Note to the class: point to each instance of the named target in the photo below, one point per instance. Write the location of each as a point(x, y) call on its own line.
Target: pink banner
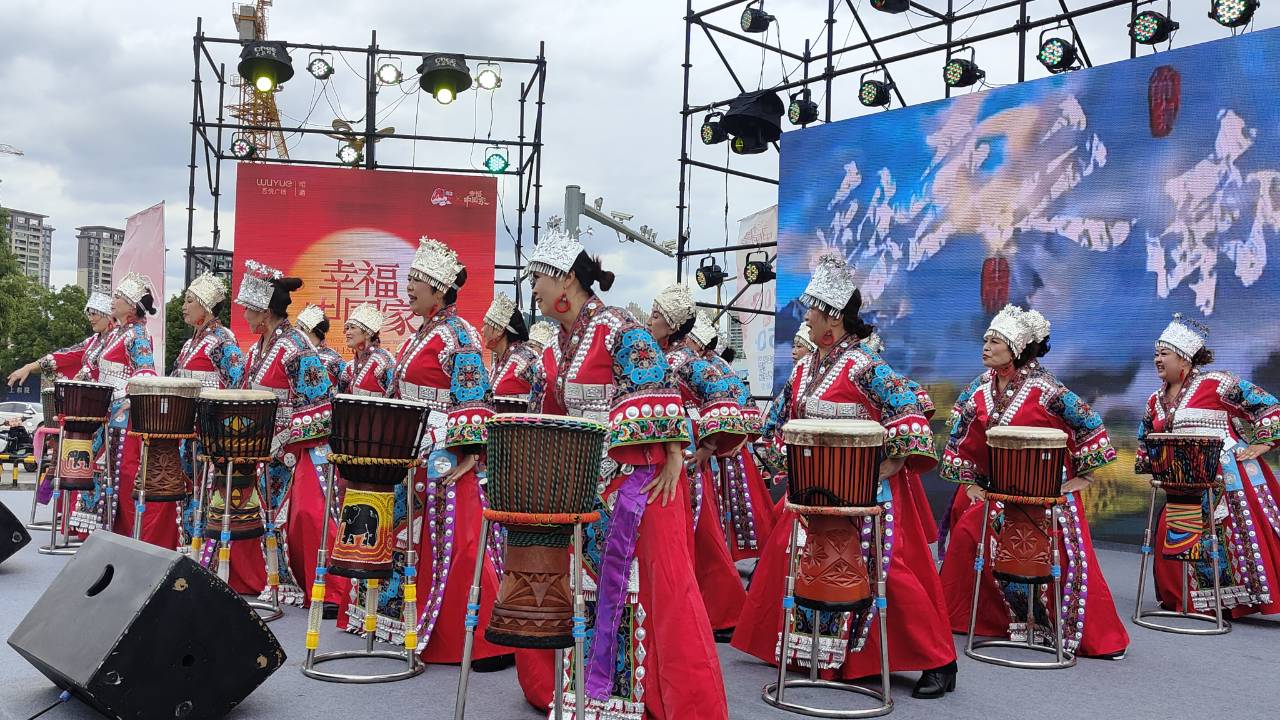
point(143, 253)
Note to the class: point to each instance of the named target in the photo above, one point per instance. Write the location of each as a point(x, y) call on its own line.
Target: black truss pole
point(857, 17)
point(682, 207)
point(191, 166)
point(216, 189)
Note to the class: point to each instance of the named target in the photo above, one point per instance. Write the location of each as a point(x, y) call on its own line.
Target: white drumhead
point(372, 400)
point(156, 385)
point(1018, 437)
point(833, 433)
point(236, 395)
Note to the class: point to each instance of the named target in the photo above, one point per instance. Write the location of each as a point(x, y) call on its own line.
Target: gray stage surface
point(1164, 676)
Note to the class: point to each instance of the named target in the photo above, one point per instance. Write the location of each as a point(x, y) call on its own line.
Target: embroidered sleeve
point(470, 394)
point(770, 447)
point(227, 357)
point(67, 361)
point(1259, 409)
point(720, 417)
point(964, 459)
point(310, 391)
point(1087, 439)
point(386, 369)
point(646, 404)
point(909, 436)
point(346, 376)
point(141, 355)
point(1142, 461)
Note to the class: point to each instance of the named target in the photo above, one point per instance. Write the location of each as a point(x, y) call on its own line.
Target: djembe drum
point(372, 442)
point(162, 411)
point(539, 465)
point(833, 463)
point(1185, 465)
point(1026, 462)
point(235, 428)
point(83, 408)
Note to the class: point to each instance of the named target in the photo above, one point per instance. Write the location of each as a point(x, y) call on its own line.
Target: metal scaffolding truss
point(819, 68)
point(211, 136)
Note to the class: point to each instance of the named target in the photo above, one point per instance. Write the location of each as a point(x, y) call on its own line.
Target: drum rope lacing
point(1022, 500)
point(148, 436)
point(80, 418)
point(839, 511)
point(237, 460)
point(340, 459)
point(519, 518)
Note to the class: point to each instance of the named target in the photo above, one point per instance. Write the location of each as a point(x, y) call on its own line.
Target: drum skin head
point(1020, 437)
point(834, 433)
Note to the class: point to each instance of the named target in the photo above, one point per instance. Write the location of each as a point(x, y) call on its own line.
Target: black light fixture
point(1056, 54)
point(320, 65)
point(758, 272)
point(755, 19)
point(1233, 13)
point(242, 148)
point(444, 76)
point(351, 153)
point(747, 146)
point(891, 6)
point(496, 160)
point(712, 132)
point(962, 72)
point(488, 76)
point(1151, 27)
point(265, 64)
point(874, 93)
point(754, 120)
point(708, 274)
point(802, 110)
point(390, 71)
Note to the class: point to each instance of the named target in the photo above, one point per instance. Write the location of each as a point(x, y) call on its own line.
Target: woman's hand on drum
point(891, 467)
point(462, 468)
point(663, 484)
point(1076, 484)
point(1253, 452)
point(975, 493)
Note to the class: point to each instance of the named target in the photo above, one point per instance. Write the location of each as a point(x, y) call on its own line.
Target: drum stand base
point(61, 513)
point(1062, 658)
point(1221, 626)
point(268, 611)
point(774, 693)
point(415, 667)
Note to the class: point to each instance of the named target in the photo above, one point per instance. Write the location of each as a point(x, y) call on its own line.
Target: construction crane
point(255, 108)
point(9, 150)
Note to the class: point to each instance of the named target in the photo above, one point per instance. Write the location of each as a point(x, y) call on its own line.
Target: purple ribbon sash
point(611, 580)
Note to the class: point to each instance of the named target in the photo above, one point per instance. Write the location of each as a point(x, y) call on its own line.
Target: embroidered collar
point(265, 345)
point(818, 371)
point(1000, 401)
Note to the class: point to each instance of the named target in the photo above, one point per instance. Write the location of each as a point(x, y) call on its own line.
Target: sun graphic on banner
point(350, 267)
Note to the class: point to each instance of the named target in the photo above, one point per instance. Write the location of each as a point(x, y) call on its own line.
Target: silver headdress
point(874, 343)
point(675, 302)
point(1184, 336)
point(555, 253)
point(543, 333)
point(436, 264)
point(499, 313)
point(133, 286)
point(310, 317)
point(367, 317)
point(255, 285)
point(704, 331)
point(1038, 324)
point(1011, 326)
point(98, 303)
point(208, 290)
point(831, 286)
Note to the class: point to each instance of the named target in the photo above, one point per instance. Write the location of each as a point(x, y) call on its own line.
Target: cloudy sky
point(98, 96)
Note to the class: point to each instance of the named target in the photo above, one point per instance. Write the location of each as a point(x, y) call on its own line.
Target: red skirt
point(1103, 632)
point(159, 520)
point(449, 632)
point(718, 579)
point(1168, 573)
point(682, 678)
point(762, 511)
point(919, 638)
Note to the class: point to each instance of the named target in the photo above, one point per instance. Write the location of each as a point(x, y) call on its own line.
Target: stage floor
point(1164, 676)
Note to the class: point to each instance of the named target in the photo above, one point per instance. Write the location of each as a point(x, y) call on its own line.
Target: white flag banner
point(143, 253)
point(757, 330)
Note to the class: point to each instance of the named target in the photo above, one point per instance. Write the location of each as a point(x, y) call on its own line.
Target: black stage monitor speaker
point(141, 632)
point(12, 534)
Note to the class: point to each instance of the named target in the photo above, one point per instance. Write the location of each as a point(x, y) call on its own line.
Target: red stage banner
point(350, 235)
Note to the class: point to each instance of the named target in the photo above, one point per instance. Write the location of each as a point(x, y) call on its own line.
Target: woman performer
point(210, 356)
point(283, 362)
point(842, 380)
point(78, 361)
point(769, 446)
point(1017, 390)
point(1247, 418)
point(651, 654)
point(749, 514)
point(370, 369)
point(717, 426)
point(313, 322)
point(442, 365)
point(515, 363)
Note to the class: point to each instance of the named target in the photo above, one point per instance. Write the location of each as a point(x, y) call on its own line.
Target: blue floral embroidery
point(1256, 397)
point(460, 331)
point(708, 383)
point(640, 359)
point(470, 381)
point(138, 346)
point(1077, 413)
point(892, 389)
point(311, 380)
point(229, 360)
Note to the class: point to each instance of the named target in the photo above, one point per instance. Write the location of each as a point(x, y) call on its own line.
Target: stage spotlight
point(959, 72)
point(349, 154)
point(242, 148)
point(891, 6)
point(712, 132)
point(488, 76)
point(1233, 13)
point(389, 71)
point(1151, 27)
point(874, 93)
point(709, 274)
point(755, 20)
point(265, 64)
point(1057, 55)
point(495, 160)
point(320, 66)
point(756, 115)
point(444, 76)
point(748, 145)
point(802, 109)
point(758, 272)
